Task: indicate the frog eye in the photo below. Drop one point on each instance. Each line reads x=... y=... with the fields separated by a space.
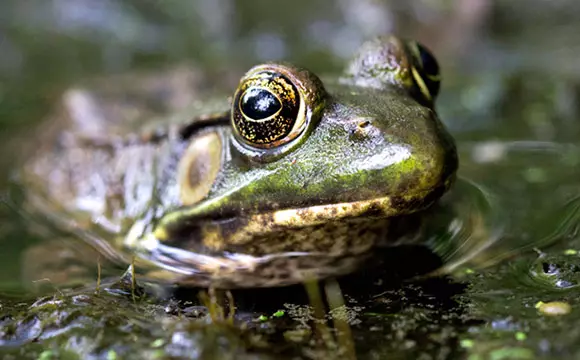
x=274 y=104
x=425 y=70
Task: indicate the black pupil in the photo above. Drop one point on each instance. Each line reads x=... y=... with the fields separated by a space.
x=430 y=66
x=259 y=104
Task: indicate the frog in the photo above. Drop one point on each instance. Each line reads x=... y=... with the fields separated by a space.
x=293 y=178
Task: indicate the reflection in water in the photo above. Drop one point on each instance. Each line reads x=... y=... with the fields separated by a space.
x=471 y=224
x=513 y=197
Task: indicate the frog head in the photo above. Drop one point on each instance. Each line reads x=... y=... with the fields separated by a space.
x=300 y=153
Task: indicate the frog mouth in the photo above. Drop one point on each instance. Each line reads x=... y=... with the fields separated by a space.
x=378 y=208
x=214 y=229
x=184 y=252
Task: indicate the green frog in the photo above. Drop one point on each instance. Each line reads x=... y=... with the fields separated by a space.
x=291 y=179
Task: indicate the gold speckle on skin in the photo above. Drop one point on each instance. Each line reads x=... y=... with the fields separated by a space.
x=322 y=213
x=199 y=167
x=160 y=233
x=212 y=238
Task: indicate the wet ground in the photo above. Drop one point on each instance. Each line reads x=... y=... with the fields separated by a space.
x=509 y=245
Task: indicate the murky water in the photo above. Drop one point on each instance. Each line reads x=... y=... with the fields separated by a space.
x=507 y=234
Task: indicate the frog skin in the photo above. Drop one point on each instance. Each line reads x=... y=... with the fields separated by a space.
x=292 y=179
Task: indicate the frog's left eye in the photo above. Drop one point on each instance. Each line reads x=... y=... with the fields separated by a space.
x=274 y=104
x=425 y=70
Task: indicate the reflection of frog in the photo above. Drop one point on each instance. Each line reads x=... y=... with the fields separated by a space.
x=292 y=179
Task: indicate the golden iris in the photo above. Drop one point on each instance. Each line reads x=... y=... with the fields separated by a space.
x=266 y=109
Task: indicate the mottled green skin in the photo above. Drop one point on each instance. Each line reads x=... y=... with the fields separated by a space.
x=342 y=162
x=374 y=139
